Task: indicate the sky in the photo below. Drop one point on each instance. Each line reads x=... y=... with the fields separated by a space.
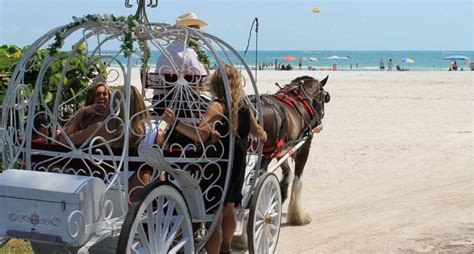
x=283 y=24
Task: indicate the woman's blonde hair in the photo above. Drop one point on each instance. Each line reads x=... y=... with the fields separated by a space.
x=139 y=116
x=217 y=87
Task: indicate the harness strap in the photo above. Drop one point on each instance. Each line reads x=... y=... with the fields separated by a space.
x=287 y=99
x=305 y=103
x=270 y=152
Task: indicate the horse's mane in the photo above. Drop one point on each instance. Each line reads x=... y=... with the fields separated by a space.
x=296 y=80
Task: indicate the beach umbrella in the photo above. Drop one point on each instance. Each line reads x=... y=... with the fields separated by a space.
x=407 y=60
x=289 y=58
x=457 y=57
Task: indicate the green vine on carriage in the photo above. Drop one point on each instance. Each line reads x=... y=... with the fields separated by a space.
x=129 y=23
x=202 y=56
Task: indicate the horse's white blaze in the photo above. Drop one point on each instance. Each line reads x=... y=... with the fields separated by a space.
x=296 y=214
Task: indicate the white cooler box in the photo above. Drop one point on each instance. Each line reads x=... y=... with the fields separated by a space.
x=37 y=206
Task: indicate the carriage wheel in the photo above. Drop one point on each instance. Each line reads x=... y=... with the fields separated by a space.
x=265 y=215
x=159 y=222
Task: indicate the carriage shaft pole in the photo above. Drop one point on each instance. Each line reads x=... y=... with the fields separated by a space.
x=287 y=155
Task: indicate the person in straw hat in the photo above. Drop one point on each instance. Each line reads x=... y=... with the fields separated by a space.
x=185 y=55
x=190 y=20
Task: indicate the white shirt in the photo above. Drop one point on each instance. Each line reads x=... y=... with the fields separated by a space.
x=185 y=58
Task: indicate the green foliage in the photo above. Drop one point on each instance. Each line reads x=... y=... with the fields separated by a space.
x=16 y=246
x=80 y=70
x=202 y=56
x=9 y=57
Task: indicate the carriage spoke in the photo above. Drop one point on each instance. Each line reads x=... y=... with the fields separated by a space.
x=174 y=230
x=179 y=246
x=143 y=239
x=259 y=223
x=263 y=242
x=272 y=227
x=134 y=247
x=270 y=239
x=260 y=214
x=258 y=231
x=167 y=222
x=264 y=197
x=159 y=221
x=274 y=215
x=272 y=194
x=150 y=223
x=273 y=206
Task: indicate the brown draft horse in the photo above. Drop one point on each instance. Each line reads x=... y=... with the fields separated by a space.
x=288 y=116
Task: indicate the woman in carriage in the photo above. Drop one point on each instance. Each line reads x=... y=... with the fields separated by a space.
x=211 y=128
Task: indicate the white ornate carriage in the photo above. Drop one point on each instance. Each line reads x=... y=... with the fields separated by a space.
x=66 y=197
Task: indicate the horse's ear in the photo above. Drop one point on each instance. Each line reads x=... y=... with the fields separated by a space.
x=323 y=82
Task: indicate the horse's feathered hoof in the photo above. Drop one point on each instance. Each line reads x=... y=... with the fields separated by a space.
x=296 y=215
x=240 y=243
x=298 y=219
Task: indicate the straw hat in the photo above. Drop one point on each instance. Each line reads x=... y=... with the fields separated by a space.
x=190 y=19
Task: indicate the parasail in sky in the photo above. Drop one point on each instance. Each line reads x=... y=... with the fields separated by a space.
x=316 y=10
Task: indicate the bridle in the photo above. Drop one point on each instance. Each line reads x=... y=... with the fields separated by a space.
x=318 y=102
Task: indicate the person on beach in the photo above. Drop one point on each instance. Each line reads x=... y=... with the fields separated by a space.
x=454 y=66
x=390 y=64
x=300 y=63
x=382 y=65
x=242 y=123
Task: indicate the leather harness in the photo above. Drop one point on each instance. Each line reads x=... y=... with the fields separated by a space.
x=291 y=96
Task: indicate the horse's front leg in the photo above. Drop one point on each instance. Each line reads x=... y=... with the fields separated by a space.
x=296 y=214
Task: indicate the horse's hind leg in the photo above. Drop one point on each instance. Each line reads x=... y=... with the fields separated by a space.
x=296 y=214
x=285 y=181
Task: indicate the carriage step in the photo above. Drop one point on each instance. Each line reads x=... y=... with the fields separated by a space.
x=207 y=218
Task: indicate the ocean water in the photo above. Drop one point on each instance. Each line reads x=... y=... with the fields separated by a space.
x=350 y=60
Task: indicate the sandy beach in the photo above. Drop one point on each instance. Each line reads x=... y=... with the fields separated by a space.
x=392 y=171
